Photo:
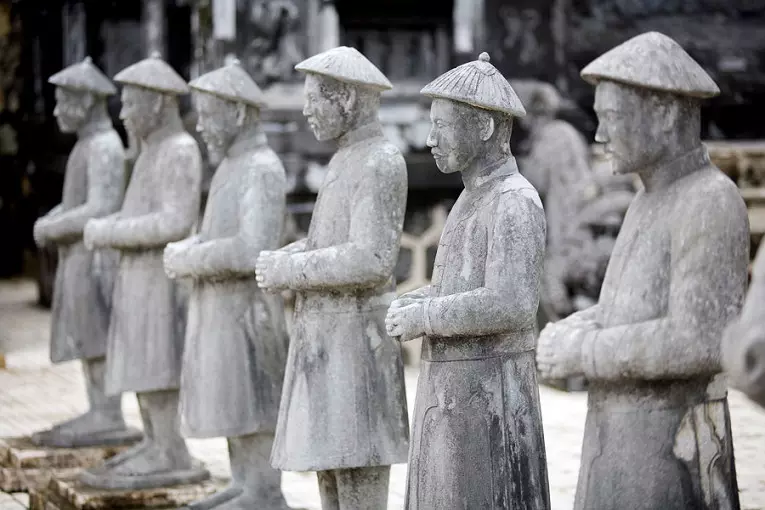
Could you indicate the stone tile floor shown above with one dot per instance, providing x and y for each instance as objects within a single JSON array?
[{"x": 34, "y": 394}]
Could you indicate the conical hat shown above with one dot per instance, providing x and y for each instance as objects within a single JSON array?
[
  {"x": 231, "y": 82},
  {"x": 155, "y": 74},
  {"x": 653, "y": 61},
  {"x": 347, "y": 65},
  {"x": 477, "y": 83},
  {"x": 84, "y": 76}
]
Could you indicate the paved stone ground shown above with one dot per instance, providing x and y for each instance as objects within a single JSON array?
[{"x": 34, "y": 394}]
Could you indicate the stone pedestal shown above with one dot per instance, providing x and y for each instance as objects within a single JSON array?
[
  {"x": 25, "y": 466},
  {"x": 68, "y": 493}
]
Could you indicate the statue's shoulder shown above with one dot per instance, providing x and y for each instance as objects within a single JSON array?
[
  {"x": 516, "y": 187},
  {"x": 385, "y": 159},
  {"x": 108, "y": 141}
]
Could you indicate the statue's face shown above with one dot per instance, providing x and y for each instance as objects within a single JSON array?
[
  {"x": 72, "y": 109},
  {"x": 327, "y": 107},
  {"x": 630, "y": 125},
  {"x": 217, "y": 123},
  {"x": 141, "y": 109},
  {"x": 454, "y": 137}
]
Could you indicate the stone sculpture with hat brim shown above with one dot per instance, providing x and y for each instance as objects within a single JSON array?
[
  {"x": 658, "y": 426},
  {"x": 343, "y": 409},
  {"x": 146, "y": 332},
  {"x": 236, "y": 340},
  {"x": 93, "y": 187},
  {"x": 477, "y": 438}
]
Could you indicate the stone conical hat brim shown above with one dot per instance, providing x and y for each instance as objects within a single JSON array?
[
  {"x": 653, "y": 61},
  {"x": 231, "y": 82},
  {"x": 347, "y": 65},
  {"x": 155, "y": 74},
  {"x": 477, "y": 83},
  {"x": 84, "y": 76}
]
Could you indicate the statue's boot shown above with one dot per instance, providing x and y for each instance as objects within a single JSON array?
[
  {"x": 162, "y": 460},
  {"x": 102, "y": 425},
  {"x": 254, "y": 483}
]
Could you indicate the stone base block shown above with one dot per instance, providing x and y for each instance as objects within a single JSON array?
[
  {"x": 71, "y": 494},
  {"x": 25, "y": 466}
]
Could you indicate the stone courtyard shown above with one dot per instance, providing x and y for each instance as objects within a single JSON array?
[{"x": 34, "y": 394}]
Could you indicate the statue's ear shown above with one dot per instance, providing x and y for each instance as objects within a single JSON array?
[
  {"x": 241, "y": 114},
  {"x": 487, "y": 126},
  {"x": 350, "y": 99},
  {"x": 88, "y": 99},
  {"x": 159, "y": 101}
]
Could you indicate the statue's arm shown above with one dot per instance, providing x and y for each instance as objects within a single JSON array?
[
  {"x": 368, "y": 258},
  {"x": 261, "y": 215},
  {"x": 510, "y": 295},
  {"x": 106, "y": 175},
  {"x": 709, "y": 253},
  {"x": 179, "y": 210}
]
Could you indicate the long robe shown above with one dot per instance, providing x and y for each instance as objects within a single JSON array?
[
  {"x": 236, "y": 336},
  {"x": 477, "y": 439},
  {"x": 658, "y": 427},
  {"x": 148, "y": 315},
  {"x": 343, "y": 403},
  {"x": 82, "y": 295}
]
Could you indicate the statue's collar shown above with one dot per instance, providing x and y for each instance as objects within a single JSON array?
[{"x": 360, "y": 134}]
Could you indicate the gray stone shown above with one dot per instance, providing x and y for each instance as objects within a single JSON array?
[
  {"x": 558, "y": 167},
  {"x": 393, "y": 134},
  {"x": 82, "y": 300},
  {"x": 743, "y": 344},
  {"x": 343, "y": 410},
  {"x": 145, "y": 343},
  {"x": 477, "y": 439},
  {"x": 236, "y": 339},
  {"x": 658, "y": 427}
]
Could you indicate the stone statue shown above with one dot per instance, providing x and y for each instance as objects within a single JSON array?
[
  {"x": 236, "y": 338},
  {"x": 93, "y": 187},
  {"x": 477, "y": 439},
  {"x": 658, "y": 426},
  {"x": 147, "y": 323},
  {"x": 558, "y": 167},
  {"x": 343, "y": 410},
  {"x": 743, "y": 345}
]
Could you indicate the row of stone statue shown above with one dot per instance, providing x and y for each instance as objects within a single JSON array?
[{"x": 217, "y": 361}]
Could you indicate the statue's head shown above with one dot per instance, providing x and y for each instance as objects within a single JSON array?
[
  {"x": 149, "y": 95},
  {"x": 342, "y": 91},
  {"x": 648, "y": 91},
  {"x": 542, "y": 104},
  {"x": 460, "y": 133},
  {"x": 80, "y": 89},
  {"x": 144, "y": 110},
  {"x": 471, "y": 115},
  {"x": 227, "y": 102},
  {"x": 73, "y": 108}
]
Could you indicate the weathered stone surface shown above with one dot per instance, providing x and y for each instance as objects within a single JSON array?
[
  {"x": 82, "y": 300},
  {"x": 71, "y": 494},
  {"x": 743, "y": 344},
  {"x": 147, "y": 325},
  {"x": 477, "y": 439},
  {"x": 343, "y": 410},
  {"x": 236, "y": 339},
  {"x": 658, "y": 431},
  {"x": 25, "y": 466}
]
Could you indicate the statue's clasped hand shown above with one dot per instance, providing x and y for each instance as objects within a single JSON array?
[
  {"x": 271, "y": 269},
  {"x": 93, "y": 234},
  {"x": 406, "y": 319},
  {"x": 559, "y": 349}
]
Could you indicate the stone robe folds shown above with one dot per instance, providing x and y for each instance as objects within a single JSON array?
[
  {"x": 161, "y": 206},
  {"x": 658, "y": 425},
  {"x": 343, "y": 403},
  {"x": 477, "y": 439},
  {"x": 93, "y": 186},
  {"x": 236, "y": 337}
]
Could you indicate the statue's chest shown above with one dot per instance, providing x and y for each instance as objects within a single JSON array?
[{"x": 637, "y": 281}]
